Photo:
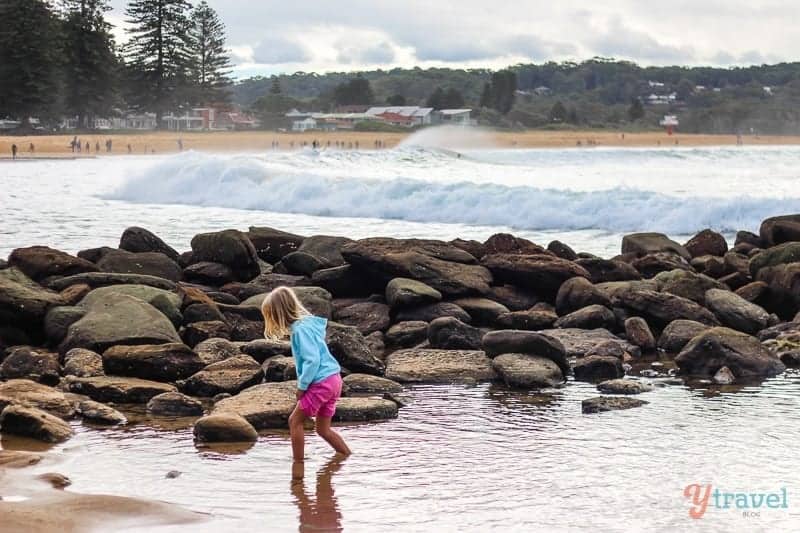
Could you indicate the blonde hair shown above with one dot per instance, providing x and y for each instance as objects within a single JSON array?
[{"x": 281, "y": 308}]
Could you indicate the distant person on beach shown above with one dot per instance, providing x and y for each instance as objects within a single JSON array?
[
  {"x": 73, "y": 143},
  {"x": 97, "y": 147},
  {"x": 319, "y": 380},
  {"x": 180, "y": 145},
  {"x": 88, "y": 147},
  {"x": 13, "y": 151},
  {"x": 32, "y": 149},
  {"x": 130, "y": 148}
]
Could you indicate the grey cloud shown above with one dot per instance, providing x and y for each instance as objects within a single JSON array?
[
  {"x": 276, "y": 50},
  {"x": 622, "y": 41},
  {"x": 379, "y": 53}
]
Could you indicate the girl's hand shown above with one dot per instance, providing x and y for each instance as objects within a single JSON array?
[{"x": 299, "y": 393}]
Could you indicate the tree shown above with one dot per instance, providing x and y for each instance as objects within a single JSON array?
[
  {"x": 499, "y": 94},
  {"x": 558, "y": 113},
  {"x": 90, "y": 61},
  {"x": 685, "y": 89},
  {"x": 636, "y": 110},
  {"x": 453, "y": 99},
  {"x": 396, "y": 100},
  {"x": 436, "y": 99},
  {"x": 157, "y": 53},
  {"x": 209, "y": 61},
  {"x": 275, "y": 87},
  {"x": 29, "y": 83},
  {"x": 357, "y": 91}
]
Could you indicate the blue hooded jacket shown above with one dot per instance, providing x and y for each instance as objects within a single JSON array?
[{"x": 311, "y": 355}]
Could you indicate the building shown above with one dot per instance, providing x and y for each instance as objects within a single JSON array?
[
  {"x": 304, "y": 124},
  {"x": 456, "y": 117},
  {"x": 417, "y": 116},
  {"x": 400, "y": 116},
  {"x": 196, "y": 119}
]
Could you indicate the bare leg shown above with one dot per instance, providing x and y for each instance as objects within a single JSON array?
[
  {"x": 296, "y": 420},
  {"x": 325, "y": 431}
]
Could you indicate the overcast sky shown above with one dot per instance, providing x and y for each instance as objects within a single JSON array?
[{"x": 268, "y": 37}]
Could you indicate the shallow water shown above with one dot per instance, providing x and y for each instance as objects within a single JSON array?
[{"x": 478, "y": 458}]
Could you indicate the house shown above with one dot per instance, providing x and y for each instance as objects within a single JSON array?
[
  {"x": 235, "y": 120},
  {"x": 542, "y": 90},
  {"x": 457, "y": 117},
  {"x": 418, "y": 116},
  {"x": 396, "y": 119},
  {"x": 304, "y": 124},
  {"x": 196, "y": 119}
]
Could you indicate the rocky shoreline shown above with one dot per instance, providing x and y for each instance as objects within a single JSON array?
[{"x": 180, "y": 334}]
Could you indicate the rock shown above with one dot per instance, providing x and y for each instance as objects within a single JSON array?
[
  {"x": 167, "y": 302},
  {"x": 104, "y": 279},
  {"x": 345, "y": 281},
  {"x": 678, "y": 333},
  {"x": 174, "y": 404},
  {"x": 367, "y": 317},
  {"x": 606, "y": 270},
  {"x": 224, "y": 428},
  {"x": 601, "y": 404},
  {"x": 474, "y": 248},
  {"x": 791, "y": 358},
  {"x": 197, "y": 332},
  {"x": 742, "y": 354},
  {"x": 271, "y": 244},
  {"x": 229, "y": 247},
  {"x": 36, "y": 365},
  {"x": 687, "y": 284},
  {"x": 138, "y": 240},
  {"x": 784, "y": 288},
  {"x": 428, "y": 313},
  {"x": 542, "y": 274},
  {"x": 591, "y": 317},
  {"x": 527, "y": 320},
  {"x": 116, "y": 389},
  {"x": 623, "y": 386},
  {"x": 201, "y": 313},
  {"x": 376, "y": 344},
  {"x": 780, "y": 229},
  {"x": 315, "y": 299},
  {"x": 22, "y": 301},
  {"x": 579, "y": 342},
  {"x": 527, "y": 371},
  {"x": 157, "y": 362},
  {"x": 33, "y": 423},
  {"x": 349, "y": 347},
  {"x": 279, "y": 368},
  {"x": 28, "y": 393},
  {"x": 407, "y": 334},
  {"x": 505, "y": 243},
  {"x": 364, "y": 383},
  {"x": 315, "y": 253},
  {"x": 231, "y": 376},
  {"x": 242, "y": 329},
  {"x": 75, "y": 293},
  {"x": 145, "y": 263},
  {"x": 497, "y": 343},
  {"x": 438, "y": 366},
  {"x": 788, "y": 252},
  {"x": 577, "y": 293},
  {"x": 209, "y": 273},
  {"x": 707, "y": 242},
  {"x": 724, "y": 376},
  {"x": 661, "y": 308},
  {"x": 755, "y": 292},
  {"x": 613, "y": 289},
  {"x": 638, "y": 332},
  {"x": 265, "y": 406},
  {"x": 39, "y": 262},
  {"x": 651, "y": 265},
  {"x": 100, "y": 413},
  {"x": 442, "y": 266},
  {"x": 597, "y": 368},
  {"x": 514, "y": 298},
  {"x": 559, "y": 249},
  {"x": 364, "y": 409},
  {"x": 83, "y": 363},
  {"x": 736, "y": 312},
  {"x": 484, "y": 312},
  {"x": 263, "y": 349},
  {"x": 647, "y": 243},
  {"x": 451, "y": 334},
  {"x": 709, "y": 265},
  {"x": 609, "y": 348}
]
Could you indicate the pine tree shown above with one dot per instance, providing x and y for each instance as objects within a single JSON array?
[
  {"x": 275, "y": 87},
  {"x": 91, "y": 63},
  {"x": 636, "y": 109},
  {"x": 436, "y": 99},
  {"x": 157, "y": 55},
  {"x": 209, "y": 60},
  {"x": 29, "y": 73}
]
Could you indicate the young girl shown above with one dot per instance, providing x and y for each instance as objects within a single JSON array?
[{"x": 319, "y": 383}]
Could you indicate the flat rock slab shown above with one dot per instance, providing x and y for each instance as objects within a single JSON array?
[
  {"x": 100, "y": 413},
  {"x": 33, "y": 423},
  {"x": 364, "y": 409},
  {"x": 579, "y": 342},
  {"x": 439, "y": 366},
  {"x": 117, "y": 389},
  {"x": 365, "y": 383},
  {"x": 224, "y": 428},
  {"x": 31, "y": 394},
  {"x": 601, "y": 404},
  {"x": 527, "y": 371},
  {"x": 265, "y": 406},
  {"x": 623, "y": 386},
  {"x": 230, "y": 376}
]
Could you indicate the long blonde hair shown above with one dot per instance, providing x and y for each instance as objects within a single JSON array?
[{"x": 281, "y": 308}]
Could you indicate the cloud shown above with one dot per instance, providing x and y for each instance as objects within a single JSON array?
[
  {"x": 381, "y": 53},
  {"x": 618, "y": 40},
  {"x": 276, "y": 50}
]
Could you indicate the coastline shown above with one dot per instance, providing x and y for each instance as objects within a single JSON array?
[{"x": 57, "y": 146}]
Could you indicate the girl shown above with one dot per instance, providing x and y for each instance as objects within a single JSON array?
[{"x": 319, "y": 383}]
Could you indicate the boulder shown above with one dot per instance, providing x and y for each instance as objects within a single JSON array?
[
  {"x": 450, "y": 333},
  {"x": 351, "y": 409},
  {"x": 104, "y": 279},
  {"x": 201, "y": 313},
  {"x": 474, "y": 248},
  {"x": 527, "y": 371},
  {"x": 500, "y": 342},
  {"x": 118, "y": 319},
  {"x": 598, "y": 368},
  {"x": 724, "y": 376},
  {"x": 145, "y": 263},
  {"x": 263, "y": 349},
  {"x": 28, "y": 393},
  {"x": 638, "y": 332},
  {"x": 707, "y": 242},
  {"x": 748, "y": 237},
  {"x": 559, "y": 249},
  {"x": 601, "y": 404},
  {"x": 262, "y": 285},
  {"x": 364, "y": 383},
  {"x": 613, "y": 289},
  {"x": 448, "y": 269},
  {"x": 577, "y": 293},
  {"x": 605, "y": 270},
  {"x": 315, "y": 253},
  {"x": 376, "y": 344},
  {"x": 484, "y": 312},
  {"x": 514, "y": 298},
  {"x": 157, "y": 362},
  {"x": 755, "y": 292},
  {"x": 35, "y": 365},
  {"x": 709, "y": 265},
  {"x": 784, "y": 289},
  {"x": 242, "y": 329},
  {"x": 345, "y": 281},
  {"x": 407, "y": 334},
  {"x": 349, "y": 347},
  {"x": 265, "y": 406},
  {"x": 642, "y": 244},
  {"x": 33, "y": 423},
  {"x": 543, "y": 274},
  {"x": 780, "y": 229},
  {"x": 83, "y": 363},
  {"x": 438, "y": 366},
  {"x": 197, "y": 332},
  {"x": 528, "y": 320},
  {"x": 591, "y": 317},
  {"x": 224, "y": 428},
  {"x": 678, "y": 333},
  {"x": 231, "y": 376},
  {"x": 788, "y": 252},
  {"x": 687, "y": 284},
  {"x": 116, "y": 389},
  {"x": 316, "y": 299},
  {"x": 174, "y": 404},
  {"x": 430, "y": 312},
  {"x": 229, "y": 247},
  {"x": 736, "y": 312},
  {"x": 209, "y": 273},
  {"x": 505, "y": 243},
  {"x": 139, "y": 240},
  {"x": 100, "y": 413},
  {"x": 73, "y": 294},
  {"x": 23, "y": 301},
  {"x": 279, "y": 368},
  {"x": 661, "y": 308},
  {"x": 651, "y": 265},
  {"x": 167, "y": 302},
  {"x": 271, "y": 244},
  {"x": 579, "y": 342},
  {"x": 39, "y": 262},
  {"x": 623, "y": 386},
  {"x": 366, "y": 317},
  {"x": 744, "y": 355}
]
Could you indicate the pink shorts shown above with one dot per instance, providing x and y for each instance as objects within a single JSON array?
[{"x": 320, "y": 398}]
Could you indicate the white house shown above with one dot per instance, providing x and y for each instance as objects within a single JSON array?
[
  {"x": 304, "y": 124},
  {"x": 458, "y": 117}
]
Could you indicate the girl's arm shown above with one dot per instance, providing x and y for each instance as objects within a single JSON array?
[{"x": 305, "y": 348}]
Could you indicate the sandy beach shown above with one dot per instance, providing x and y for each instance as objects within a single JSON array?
[{"x": 168, "y": 142}]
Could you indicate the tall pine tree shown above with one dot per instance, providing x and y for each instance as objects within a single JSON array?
[
  {"x": 209, "y": 61},
  {"x": 90, "y": 61},
  {"x": 29, "y": 66},
  {"x": 158, "y": 63}
]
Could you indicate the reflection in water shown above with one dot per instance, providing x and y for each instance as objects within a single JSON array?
[{"x": 320, "y": 513}]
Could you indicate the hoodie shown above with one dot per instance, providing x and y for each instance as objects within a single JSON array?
[{"x": 311, "y": 355}]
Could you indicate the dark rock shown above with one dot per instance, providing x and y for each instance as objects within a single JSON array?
[
  {"x": 678, "y": 333},
  {"x": 174, "y": 404},
  {"x": 451, "y": 334},
  {"x": 780, "y": 229},
  {"x": 215, "y": 350},
  {"x": 638, "y": 332},
  {"x": 271, "y": 244},
  {"x": 687, "y": 284},
  {"x": 577, "y": 293},
  {"x": 755, "y": 292},
  {"x": 784, "y": 289},
  {"x": 484, "y": 312},
  {"x": 263, "y": 349},
  {"x": 428, "y": 313},
  {"x": 116, "y": 389},
  {"x": 83, "y": 363},
  {"x": 496, "y": 343},
  {"x": 201, "y": 313},
  {"x": 279, "y": 368},
  {"x": 707, "y": 242},
  {"x": 542, "y": 274},
  {"x": 145, "y": 263},
  {"x": 39, "y": 262},
  {"x": 104, "y": 279},
  {"x": 749, "y": 238},
  {"x": 598, "y": 368},
  {"x": 73, "y": 294},
  {"x": 209, "y": 273},
  {"x": 167, "y": 302},
  {"x": 315, "y": 253},
  {"x": 613, "y": 289},
  {"x": 623, "y": 386},
  {"x": 407, "y": 334},
  {"x": 736, "y": 262},
  {"x": 527, "y": 320},
  {"x": 527, "y": 371},
  {"x": 33, "y": 423},
  {"x": 735, "y": 280},
  {"x": 138, "y": 240},
  {"x": 652, "y": 264},
  {"x": 229, "y": 247},
  {"x": 350, "y": 348},
  {"x": 601, "y": 404},
  {"x": 100, "y": 413},
  {"x": 157, "y": 362},
  {"x": 366, "y": 317},
  {"x": 438, "y": 366},
  {"x": 609, "y": 348},
  {"x": 736, "y": 312},
  {"x": 709, "y": 265},
  {"x": 316, "y": 299},
  {"x": 788, "y": 252},
  {"x": 93, "y": 255},
  {"x": 559, "y": 249},
  {"x": 376, "y": 344},
  {"x": 224, "y": 428},
  {"x": 724, "y": 376},
  {"x": 405, "y": 292},
  {"x": 27, "y": 393},
  {"x": 474, "y": 248},
  {"x": 345, "y": 281},
  {"x": 643, "y": 244},
  {"x": 263, "y": 284},
  {"x": 717, "y": 347},
  {"x": 661, "y": 308},
  {"x": 231, "y": 375},
  {"x": 196, "y": 332},
  {"x": 36, "y": 365},
  {"x": 591, "y": 317},
  {"x": 22, "y": 301},
  {"x": 505, "y": 243},
  {"x": 364, "y": 409},
  {"x": 242, "y": 329},
  {"x": 514, "y": 298},
  {"x": 580, "y": 342},
  {"x": 364, "y": 383},
  {"x": 605, "y": 270}
]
